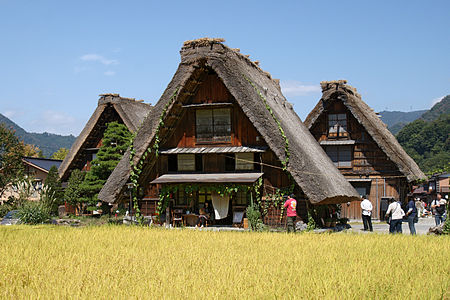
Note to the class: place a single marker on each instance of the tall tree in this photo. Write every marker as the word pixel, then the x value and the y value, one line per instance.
pixel 53 188
pixel 60 154
pixel 11 152
pixel 72 194
pixel 116 140
pixel 31 150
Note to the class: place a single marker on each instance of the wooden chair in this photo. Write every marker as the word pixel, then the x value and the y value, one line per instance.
pixel 177 216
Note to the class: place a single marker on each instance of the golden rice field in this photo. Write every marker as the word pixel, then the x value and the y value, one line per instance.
pixel 121 262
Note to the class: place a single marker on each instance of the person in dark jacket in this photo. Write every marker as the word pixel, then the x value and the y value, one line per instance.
pixel 412 216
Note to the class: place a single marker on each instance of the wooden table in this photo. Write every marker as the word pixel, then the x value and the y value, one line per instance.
pixel 190 219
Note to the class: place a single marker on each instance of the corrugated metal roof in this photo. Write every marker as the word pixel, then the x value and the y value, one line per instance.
pixel 337 143
pixel 359 179
pixel 208 178
pixel 43 163
pixel 202 150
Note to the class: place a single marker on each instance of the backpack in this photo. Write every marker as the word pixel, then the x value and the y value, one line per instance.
pixel 440 209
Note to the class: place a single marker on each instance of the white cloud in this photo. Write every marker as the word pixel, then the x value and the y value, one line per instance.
pixel 100 59
pixel 54 122
pixel 436 100
pixel 292 88
pixel 110 73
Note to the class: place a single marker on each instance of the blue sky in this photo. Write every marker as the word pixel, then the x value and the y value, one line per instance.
pixel 58 56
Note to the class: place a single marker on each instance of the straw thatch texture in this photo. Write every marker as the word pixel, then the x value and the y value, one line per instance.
pixel 130 111
pixel 338 90
pixel 310 167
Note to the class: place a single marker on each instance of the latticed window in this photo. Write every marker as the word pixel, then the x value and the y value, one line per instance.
pixel 242 198
pixel 337 125
pixel 213 125
pixel 341 156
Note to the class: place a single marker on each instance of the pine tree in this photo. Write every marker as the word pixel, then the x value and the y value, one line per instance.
pixel 116 140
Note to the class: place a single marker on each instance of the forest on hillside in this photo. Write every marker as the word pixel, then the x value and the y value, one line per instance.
pixel 428 143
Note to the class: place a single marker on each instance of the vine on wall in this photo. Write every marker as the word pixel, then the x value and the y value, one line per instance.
pixel 136 170
pixel 277 197
pixel 286 140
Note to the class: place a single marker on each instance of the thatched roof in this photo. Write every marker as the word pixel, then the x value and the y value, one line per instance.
pixel 339 90
pixel 132 112
pixel 310 167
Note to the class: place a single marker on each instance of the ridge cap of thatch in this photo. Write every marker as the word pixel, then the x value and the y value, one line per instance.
pixel 217 45
pixel 116 98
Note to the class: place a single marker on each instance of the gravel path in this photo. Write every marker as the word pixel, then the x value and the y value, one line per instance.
pixel 382 227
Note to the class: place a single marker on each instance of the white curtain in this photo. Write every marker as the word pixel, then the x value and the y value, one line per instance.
pixel 220 205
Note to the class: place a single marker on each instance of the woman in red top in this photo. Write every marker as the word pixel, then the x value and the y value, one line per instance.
pixel 291 205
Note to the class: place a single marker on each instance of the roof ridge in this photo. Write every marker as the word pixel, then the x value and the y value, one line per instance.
pixel 209 42
pixel 115 98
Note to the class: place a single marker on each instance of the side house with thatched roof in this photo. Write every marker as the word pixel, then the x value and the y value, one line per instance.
pixel 223 132
pixel 362 147
pixel 111 107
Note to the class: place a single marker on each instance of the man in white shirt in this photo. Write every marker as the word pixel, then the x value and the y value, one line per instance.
pixel 396 213
pixel 438 205
pixel 366 208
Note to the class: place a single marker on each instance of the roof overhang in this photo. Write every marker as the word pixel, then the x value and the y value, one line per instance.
pixel 207 150
pixel 208 178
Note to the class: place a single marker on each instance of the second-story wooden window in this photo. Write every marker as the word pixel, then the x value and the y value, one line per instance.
pixel 337 125
pixel 213 125
pixel 341 156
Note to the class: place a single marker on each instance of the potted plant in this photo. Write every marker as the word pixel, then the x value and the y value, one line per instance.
pixel 343 221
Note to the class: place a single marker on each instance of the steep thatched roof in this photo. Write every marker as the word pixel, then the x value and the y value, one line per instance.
pixel 310 167
pixel 130 111
pixel 339 90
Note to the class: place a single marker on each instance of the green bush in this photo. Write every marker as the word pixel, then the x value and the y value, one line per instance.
pixel 254 218
pixel 33 213
pixel 4 209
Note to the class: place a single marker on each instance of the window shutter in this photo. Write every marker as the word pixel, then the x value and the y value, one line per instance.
pixel 186 162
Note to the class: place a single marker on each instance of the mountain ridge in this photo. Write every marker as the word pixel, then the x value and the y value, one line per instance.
pixel 49 143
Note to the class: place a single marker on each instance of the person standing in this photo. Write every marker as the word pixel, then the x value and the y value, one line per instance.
pixel 438 207
pixel 366 209
pixel 291 205
pixel 396 213
pixel 412 216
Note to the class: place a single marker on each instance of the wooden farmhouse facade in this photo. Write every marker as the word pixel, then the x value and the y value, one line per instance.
pixel 361 147
pixel 222 133
pixel 111 107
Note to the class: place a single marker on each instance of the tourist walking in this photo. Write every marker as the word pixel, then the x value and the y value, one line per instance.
pixel 395 213
pixel 291 205
pixel 412 216
pixel 366 211
pixel 438 205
